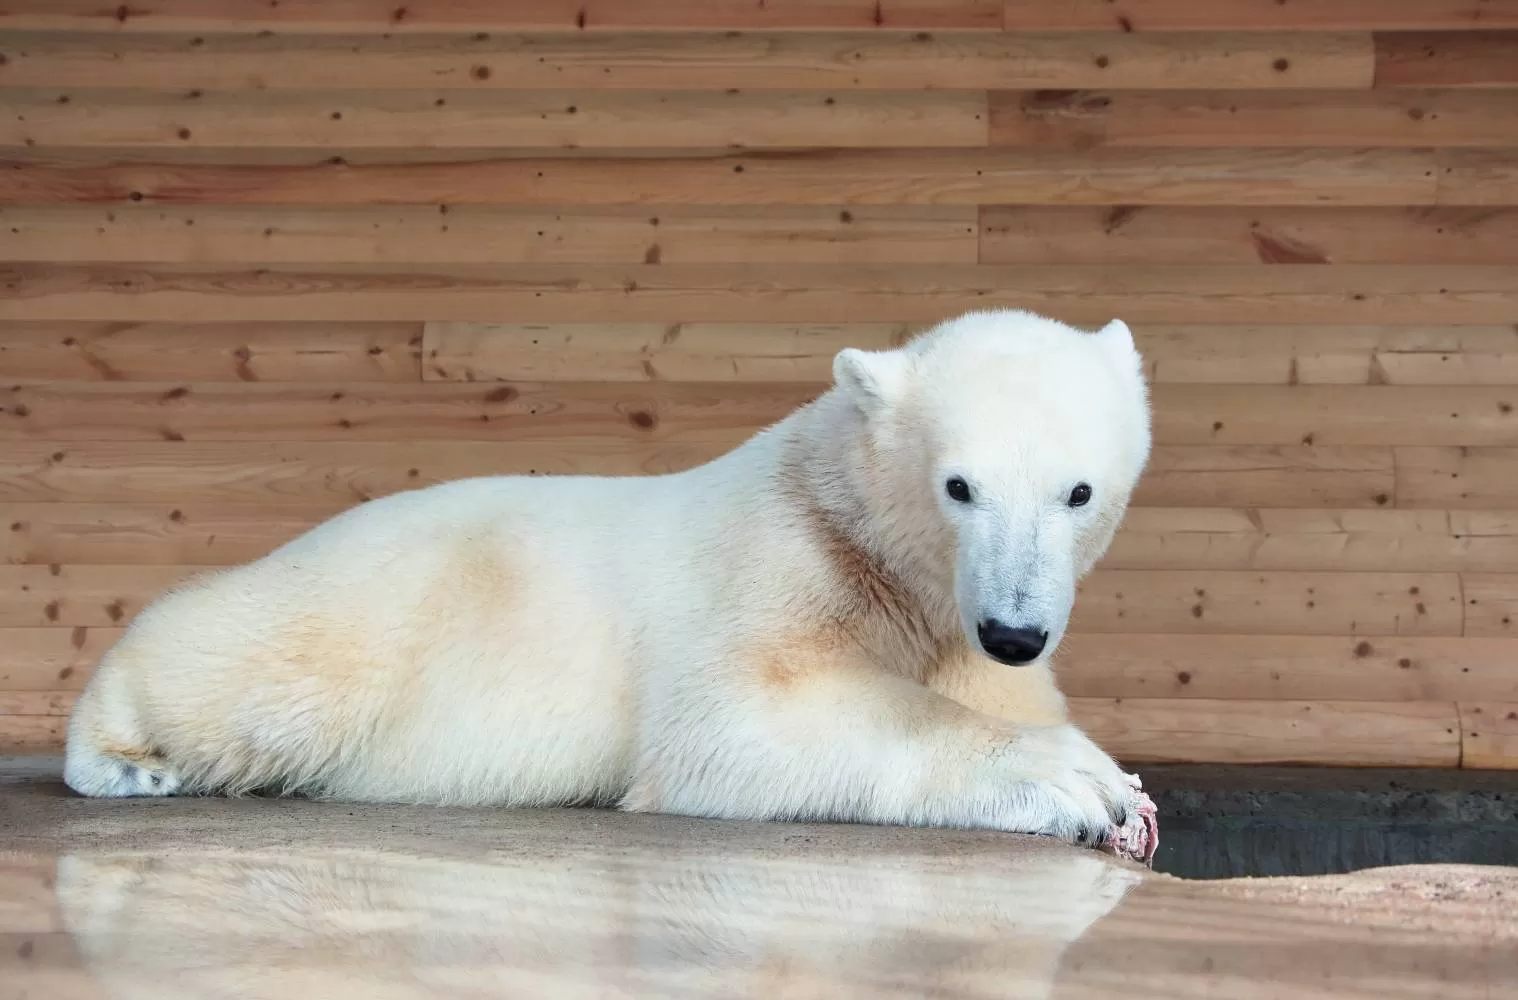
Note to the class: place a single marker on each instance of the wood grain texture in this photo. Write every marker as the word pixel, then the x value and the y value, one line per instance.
pixel 1326 540
pixel 1343 355
pixel 59 703
pixel 1290 476
pixel 1458 477
pixel 1180 666
pixel 651 352
pixel 212 352
pixel 1491 602
pixel 1489 735
pixel 29 734
pixel 455 15
pixel 261 262
pixel 1247 668
pixel 1083 119
pixel 69 596
pixel 166 533
pixel 1131 234
pixel 779 293
pixel 1343 733
pixel 1266 603
pixel 475 235
pixel 51 658
pixel 1393 177
pixel 1259 15
pixel 846 60
pixel 1447 59
pixel 1336 415
pixel 1152 538
pixel 1184 414
pixel 1415 734
pixel 803 352
pixel 1477 177
pixel 1114 601
pixel 283 475
pixel 520 412
pixel 301 475
pixel 86 118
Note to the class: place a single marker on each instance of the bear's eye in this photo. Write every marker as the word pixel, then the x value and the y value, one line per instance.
pixel 958 489
pixel 1080 496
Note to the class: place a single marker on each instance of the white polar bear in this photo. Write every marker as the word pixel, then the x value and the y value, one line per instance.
pixel 847 618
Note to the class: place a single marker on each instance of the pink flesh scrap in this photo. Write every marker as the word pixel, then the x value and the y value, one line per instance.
pixel 1137 839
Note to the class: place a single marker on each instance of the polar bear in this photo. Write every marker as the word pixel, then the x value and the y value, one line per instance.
pixel 849 617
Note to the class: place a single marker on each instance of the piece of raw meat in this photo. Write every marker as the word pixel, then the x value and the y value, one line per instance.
pixel 1137 839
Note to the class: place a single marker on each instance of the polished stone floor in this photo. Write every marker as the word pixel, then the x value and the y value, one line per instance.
pixel 211 899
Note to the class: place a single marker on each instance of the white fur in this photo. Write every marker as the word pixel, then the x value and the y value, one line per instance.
pixel 788 631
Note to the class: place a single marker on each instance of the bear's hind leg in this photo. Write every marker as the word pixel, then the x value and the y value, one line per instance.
pixel 109 756
pixel 110 776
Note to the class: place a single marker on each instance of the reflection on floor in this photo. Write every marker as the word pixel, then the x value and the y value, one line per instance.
pixel 264 899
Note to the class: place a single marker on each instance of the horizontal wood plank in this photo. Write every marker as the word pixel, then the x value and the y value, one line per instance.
pixel 1341 733
pixel 1343 355
pixel 69 596
pixel 1325 540
pixel 1131 234
pixel 803 352
pixel 1244 602
pixel 1247 668
pixel 1152 538
pixel 1259 15
pixel 223 411
pixel 868 60
pixel 534 15
pixel 50 658
pixel 1491 603
pixel 1113 601
pixel 167 533
pixel 1083 119
pixel 329 474
pixel 59 703
pixel 1447 59
pixel 652 352
pixel 1417 734
pixel 1181 666
pixel 307 474
pixel 521 412
pixel 1336 415
pixel 1464 478
pixel 1489 732
pixel 476 235
pixel 212 352
pixel 1090 294
pixel 29 734
pixel 1289 476
pixel 1477 177
pixel 777 234
pixel 86 118
pixel 1398 177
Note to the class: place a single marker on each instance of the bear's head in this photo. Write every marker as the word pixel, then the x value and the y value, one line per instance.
pixel 995 457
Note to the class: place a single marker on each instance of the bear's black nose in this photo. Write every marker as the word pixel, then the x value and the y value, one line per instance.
pixel 1012 646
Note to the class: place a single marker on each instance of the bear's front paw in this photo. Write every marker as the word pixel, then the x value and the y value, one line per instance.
pixel 1067 787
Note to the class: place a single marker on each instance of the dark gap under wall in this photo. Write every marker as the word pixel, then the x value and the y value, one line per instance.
pixel 1233 822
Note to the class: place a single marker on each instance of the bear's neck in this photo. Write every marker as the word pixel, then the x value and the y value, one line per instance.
pixel 895 593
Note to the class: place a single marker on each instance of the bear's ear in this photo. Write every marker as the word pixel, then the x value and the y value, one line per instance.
pixel 1117 336
pixel 869 377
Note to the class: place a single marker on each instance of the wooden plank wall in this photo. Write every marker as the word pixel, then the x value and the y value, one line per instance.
pixel 264 259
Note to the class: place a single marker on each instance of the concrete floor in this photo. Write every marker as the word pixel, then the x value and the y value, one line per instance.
pixel 285 899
